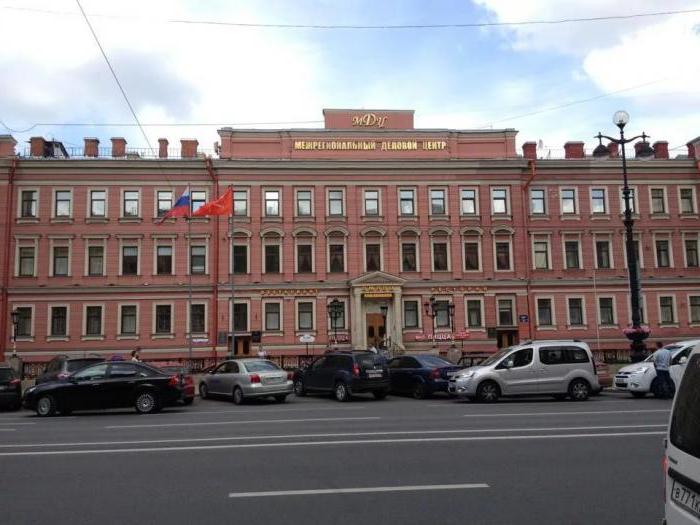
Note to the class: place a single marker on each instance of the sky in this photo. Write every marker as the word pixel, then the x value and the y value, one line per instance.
pixel 551 82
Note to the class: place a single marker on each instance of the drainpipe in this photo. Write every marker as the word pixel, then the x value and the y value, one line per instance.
pixel 6 258
pixel 532 164
pixel 209 165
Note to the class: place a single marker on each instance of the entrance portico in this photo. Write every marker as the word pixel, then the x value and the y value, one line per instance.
pixel 369 293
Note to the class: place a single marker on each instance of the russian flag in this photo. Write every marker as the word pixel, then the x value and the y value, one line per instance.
pixel 181 208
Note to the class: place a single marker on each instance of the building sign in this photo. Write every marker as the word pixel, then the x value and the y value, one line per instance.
pixel 378 291
pixel 443 336
pixel 271 292
pixel 370 145
pixel 451 289
pixel 369 120
pixel 341 338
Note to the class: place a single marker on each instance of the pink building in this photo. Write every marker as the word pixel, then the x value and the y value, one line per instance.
pixel 368 211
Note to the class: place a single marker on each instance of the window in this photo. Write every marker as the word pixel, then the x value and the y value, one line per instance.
pixel 694 302
pixel 305 316
pixel 602 253
pixel 658 200
pixel 520 358
pixel 407 202
pixel 408 257
pixel 92 373
pixel 572 256
pixel 98 201
pixel 59 325
pixel 128 319
pixel 165 202
pixel 666 310
pixel 63 203
pixel 272 203
pixel 240 203
pixel 440 260
pixel 163 319
pixel 471 256
pixel 474 313
pixel 304 203
pixel 663 259
pixel 373 257
pixel 197 199
pixel 499 201
pixel 633 200
pixel 568 202
pixel 272 258
pixel 575 311
pixel 130 260
pixel 469 206
pixel 197 321
pixel 371 202
pixel 691 253
pixel 29 204
pixel 240 317
pixel 164 260
pixel 336 254
pixel 598 201
pixel 240 258
pixel 95 260
pixel 339 322
pixel 503 256
pixel 24 321
pixel 560 355
pixel 437 202
pixel 544 312
pixel 304 258
pixel 687 201
pixel 685 424
pixel 410 314
pixel 541 249
pixel 26 261
pixel 272 316
pixel 131 204
pixel 606 311
pixel 93 320
pixel 537 202
pixel 442 320
pixel 198 260
pixel 335 203
pixel 60 261
pixel 505 312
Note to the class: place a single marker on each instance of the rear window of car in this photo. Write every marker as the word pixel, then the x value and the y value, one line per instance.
pixel 431 360
pixel 368 360
pixel 77 364
pixel 560 355
pixel 6 374
pixel 685 424
pixel 261 366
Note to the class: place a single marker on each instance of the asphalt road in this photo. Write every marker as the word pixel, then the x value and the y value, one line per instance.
pixel 313 460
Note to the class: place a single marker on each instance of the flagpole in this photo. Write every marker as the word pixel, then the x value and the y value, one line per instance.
pixel 230 236
pixel 189 271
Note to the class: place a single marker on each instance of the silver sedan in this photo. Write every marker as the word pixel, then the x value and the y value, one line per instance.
pixel 247 378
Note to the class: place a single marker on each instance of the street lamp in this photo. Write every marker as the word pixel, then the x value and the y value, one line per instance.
pixel 384 309
pixel 431 310
pixel 335 310
pixel 636 334
pixel 15 321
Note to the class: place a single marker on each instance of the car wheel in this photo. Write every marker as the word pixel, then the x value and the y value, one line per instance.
pixel 281 398
pixel 488 392
pixel 419 391
pixel 203 390
pixel 146 403
pixel 299 389
pixel 341 392
pixel 238 397
pixel 380 394
pixel 639 395
pixel 45 406
pixel 579 390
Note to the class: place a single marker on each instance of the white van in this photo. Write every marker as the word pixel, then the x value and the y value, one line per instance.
pixel 682 460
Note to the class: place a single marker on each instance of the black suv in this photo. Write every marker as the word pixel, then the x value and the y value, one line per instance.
pixel 344 374
pixel 10 387
pixel 61 366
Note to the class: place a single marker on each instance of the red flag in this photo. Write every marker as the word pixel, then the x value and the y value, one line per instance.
pixel 221 206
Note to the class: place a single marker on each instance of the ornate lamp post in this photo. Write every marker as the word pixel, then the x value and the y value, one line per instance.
pixel 335 310
pixel 384 309
pixel 636 333
pixel 431 310
pixel 15 321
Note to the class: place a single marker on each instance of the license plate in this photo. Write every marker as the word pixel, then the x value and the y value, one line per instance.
pixel 686 498
pixel 621 385
pixel 274 380
pixel 374 373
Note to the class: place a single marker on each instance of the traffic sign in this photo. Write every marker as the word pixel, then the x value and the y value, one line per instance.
pixel 523 318
pixel 307 338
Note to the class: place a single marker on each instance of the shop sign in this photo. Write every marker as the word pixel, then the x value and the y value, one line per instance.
pixel 452 289
pixel 378 291
pixel 443 336
pixel 271 292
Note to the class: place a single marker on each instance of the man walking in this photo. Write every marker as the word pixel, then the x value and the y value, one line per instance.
pixel 662 362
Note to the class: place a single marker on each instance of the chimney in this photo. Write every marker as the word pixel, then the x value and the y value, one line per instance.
pixel 36 146
pixel 162 148
pixel 7 146
pixel 574 150
pixel 660 149
pixel 118 147
pixel 614 150
pixel 91 147
pixel 189 148
pixel 694 148
pixel 530 150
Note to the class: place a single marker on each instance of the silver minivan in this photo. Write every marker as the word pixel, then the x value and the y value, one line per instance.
pixel 559 368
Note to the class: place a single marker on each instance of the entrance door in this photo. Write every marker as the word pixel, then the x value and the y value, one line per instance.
pixel 242 345
pixel 375 329
pixel 506 338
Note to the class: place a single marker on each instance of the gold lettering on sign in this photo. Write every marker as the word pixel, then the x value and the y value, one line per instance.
pixel 450 289
pixel 271 292
pixel 378 291
pixel 369 120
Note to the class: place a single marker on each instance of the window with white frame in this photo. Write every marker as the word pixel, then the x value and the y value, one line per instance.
pixel 407 202
pixel 164 202
pixel 499 201
pixel 58 326
pixel 503 258
pixel 469 201
pixel 128 319
pixel 164 259
pixel 305 258
pixel 663 253
pixel 545 315
pixel 96 260
pixel 410 314
pixel 198 323
pixel 371 200
pixel 441 261
pixel 272 203
pixel 24 326
pixel 198 259
pixel 27 261
pixel 273 312
pixel 93 320
pixel 691 252
pixel 163 319
pixel 63 203
pixel 538 204
pixel 373 256
pixel 130 260
pixel 338 323
pixel 598 201
pixel 437 202
pixel 606 311
pixel 28 204
pixel 197 199
pixel 240 317
pixel 687 198
pixel 335 203
pixel 305 315
pixel 272 257
pixel 409 256
pixel 505 312
pixel 98 203
pixel 694 307
pixel 474 310
pixel 568 201
pixel 667 313
pixel 541 254
pixel 336 254
pixel 442 319
pixel 572 257
pixel 658 200
pixel 576 312
pixel 130 203
pixel 304 203
pixel 472 258
pixel 240 258
pixel 240 203
pixel 60 263
pixel 602 254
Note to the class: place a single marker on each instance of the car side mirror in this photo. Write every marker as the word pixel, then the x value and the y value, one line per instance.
pixel 683 360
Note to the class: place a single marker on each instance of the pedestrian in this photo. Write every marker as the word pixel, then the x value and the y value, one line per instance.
pixel 135 356
pixel 373 349
pixel 662 362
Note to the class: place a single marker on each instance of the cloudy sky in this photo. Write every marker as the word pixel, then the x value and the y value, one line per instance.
pixel 516 76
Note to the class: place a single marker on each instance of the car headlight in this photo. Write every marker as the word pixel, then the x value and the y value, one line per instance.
pixel 29 390
pixel 641 370
pixel 466 375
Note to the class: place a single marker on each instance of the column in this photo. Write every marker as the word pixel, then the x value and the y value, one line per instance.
pixel 397 320
pixel 357 322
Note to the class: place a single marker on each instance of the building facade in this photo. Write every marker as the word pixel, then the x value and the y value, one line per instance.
pixel 368 211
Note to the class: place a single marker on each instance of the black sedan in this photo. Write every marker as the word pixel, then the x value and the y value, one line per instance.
pixel 420 375
pixel 107 385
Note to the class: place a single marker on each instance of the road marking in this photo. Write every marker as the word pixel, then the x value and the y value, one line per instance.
pixel 168 413
pixel 325 435
pixel 18 424
pixel 8 429
pixel 247 422
pixel 358 490
pixel 326 443
pixel 528 414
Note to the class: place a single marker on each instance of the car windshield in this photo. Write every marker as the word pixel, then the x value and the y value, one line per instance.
pixel 685 425
pixel 77 364
pixel 432 360
pixel 261 366
pixel 495 357
pixel 6 374
pixel 368 360
pixel 672 348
